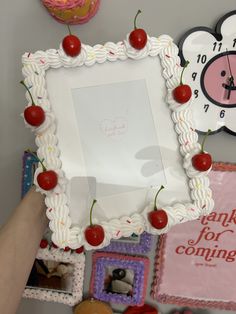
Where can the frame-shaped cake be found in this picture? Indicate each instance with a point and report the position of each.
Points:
(129, 284)
(72, 292)
(60, 84)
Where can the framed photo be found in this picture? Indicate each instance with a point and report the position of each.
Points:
(202, 252)
(56, 276)
(135, 244)
(113, 132)
(119, 278)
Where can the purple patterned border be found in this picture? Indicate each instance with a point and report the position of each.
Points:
(129, 247)
(139, 265)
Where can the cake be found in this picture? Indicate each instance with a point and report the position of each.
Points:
(203, 252)
(66, 274)
(159, 152)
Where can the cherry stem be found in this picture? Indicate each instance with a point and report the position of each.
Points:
(155, 200)
(69, 29)
(139, 11)
(26, 87)
(40, 161)
(204, 139)
(91, 211)
(181, 77)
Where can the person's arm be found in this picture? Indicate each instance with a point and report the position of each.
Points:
(19, 242)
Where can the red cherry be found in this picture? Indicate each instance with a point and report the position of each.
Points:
(79, 250)
(34, 115)
(138, 37)
(71, 45)
(94, 234)
(202, 161)
(43, 243)
(158, 217)
(67, 249)
(47, 180)
(183, 92)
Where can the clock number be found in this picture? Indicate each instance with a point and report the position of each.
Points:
(234, 43)
(222, 113)
(196, 93)
(217, 46)
(201, 58)
(206, 107)
(194, 75)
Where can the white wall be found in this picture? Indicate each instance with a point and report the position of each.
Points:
(26, 26)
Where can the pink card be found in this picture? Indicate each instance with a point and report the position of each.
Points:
(196, 261)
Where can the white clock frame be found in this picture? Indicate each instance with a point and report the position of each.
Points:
(199, 46)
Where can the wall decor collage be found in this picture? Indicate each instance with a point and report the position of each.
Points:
(119, 190)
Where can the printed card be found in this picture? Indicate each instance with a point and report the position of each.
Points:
(196, 260)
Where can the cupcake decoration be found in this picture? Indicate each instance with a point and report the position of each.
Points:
(72, 11)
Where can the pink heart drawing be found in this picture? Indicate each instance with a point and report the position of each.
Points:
(114, 128)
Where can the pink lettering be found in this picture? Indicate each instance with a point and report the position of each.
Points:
(177, 250)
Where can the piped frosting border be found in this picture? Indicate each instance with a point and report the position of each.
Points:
(34, 70)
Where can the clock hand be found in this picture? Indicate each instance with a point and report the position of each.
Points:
(231, 78)
(229, 90)
(231, 86)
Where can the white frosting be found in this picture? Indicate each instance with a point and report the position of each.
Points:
(62, 181)
(47, 137)
(75, 237)
(31, 68)
(68, 61)
(64, 234)
(125, 226)
(72, 297)
(49, 119)
(137, 54)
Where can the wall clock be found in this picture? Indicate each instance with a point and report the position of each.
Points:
(212, 74)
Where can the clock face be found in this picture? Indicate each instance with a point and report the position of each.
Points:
(216, 80)
(211, 73)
